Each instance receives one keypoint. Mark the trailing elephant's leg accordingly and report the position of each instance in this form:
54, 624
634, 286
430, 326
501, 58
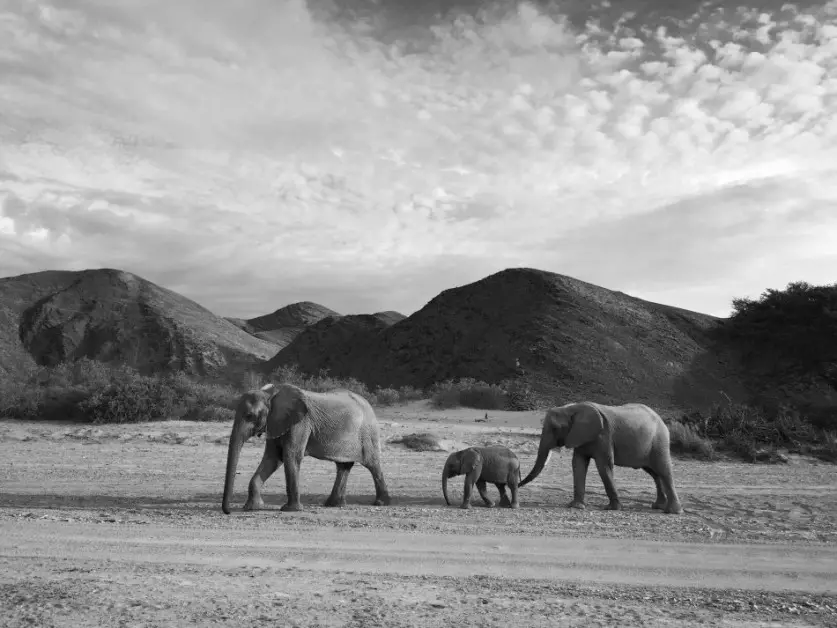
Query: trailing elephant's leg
605, 468
504, 498
660, 502
580, 465
382, 497
271, 459
481, 487
338, 491
293, 459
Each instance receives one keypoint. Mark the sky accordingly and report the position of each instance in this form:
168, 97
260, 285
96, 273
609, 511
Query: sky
253, 154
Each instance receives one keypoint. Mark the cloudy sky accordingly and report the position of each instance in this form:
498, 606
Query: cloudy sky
368, 158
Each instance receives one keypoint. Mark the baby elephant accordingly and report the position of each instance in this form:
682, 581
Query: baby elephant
497, 465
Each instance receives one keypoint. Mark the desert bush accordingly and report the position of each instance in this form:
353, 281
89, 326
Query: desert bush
137, 401
686, 441
209, 414
469, 393
424, 441
323, 382
90, 391
754, 432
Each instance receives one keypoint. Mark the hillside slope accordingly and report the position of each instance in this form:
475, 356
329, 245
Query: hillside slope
571, 339
286, 323
110, 315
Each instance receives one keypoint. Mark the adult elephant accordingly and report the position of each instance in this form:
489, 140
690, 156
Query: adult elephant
630, 435
338, 425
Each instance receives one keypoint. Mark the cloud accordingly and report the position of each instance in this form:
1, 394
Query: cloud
369, 155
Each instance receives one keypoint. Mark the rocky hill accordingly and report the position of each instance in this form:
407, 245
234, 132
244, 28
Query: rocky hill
334, 343
110, 315
286, 323
569, 338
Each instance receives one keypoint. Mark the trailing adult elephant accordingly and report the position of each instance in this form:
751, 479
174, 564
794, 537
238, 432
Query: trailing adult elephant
630, 435
338, 425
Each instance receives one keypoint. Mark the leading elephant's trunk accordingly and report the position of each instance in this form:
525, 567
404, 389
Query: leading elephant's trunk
544, 453
241, 431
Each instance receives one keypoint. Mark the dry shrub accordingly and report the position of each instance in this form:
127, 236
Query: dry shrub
686, 441
424, 441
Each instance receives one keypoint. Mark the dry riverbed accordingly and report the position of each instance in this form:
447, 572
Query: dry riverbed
121, 525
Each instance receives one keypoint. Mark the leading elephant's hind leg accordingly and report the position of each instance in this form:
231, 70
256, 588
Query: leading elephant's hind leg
481, 487
338, 491
271, 459
382, 497
673, 506
660, 502
504, 498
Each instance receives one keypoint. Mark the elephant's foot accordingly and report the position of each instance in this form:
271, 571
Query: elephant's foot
674, 509
514, 505
504, 502
488, 503
254, 504
613, 505
291, 507
382, 500
658, 505
465, 506
335, 502
577, 504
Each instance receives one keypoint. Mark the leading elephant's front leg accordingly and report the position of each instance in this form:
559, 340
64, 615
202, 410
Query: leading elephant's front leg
271, 459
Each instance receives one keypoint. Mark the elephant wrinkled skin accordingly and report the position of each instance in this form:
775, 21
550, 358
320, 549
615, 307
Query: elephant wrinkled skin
338, 425
498, 465
630, 435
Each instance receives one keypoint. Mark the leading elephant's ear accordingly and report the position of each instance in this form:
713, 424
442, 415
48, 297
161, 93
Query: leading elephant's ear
287, 408
586, 425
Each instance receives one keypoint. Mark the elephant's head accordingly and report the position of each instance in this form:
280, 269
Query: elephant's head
453, 467
250, 420
567, 426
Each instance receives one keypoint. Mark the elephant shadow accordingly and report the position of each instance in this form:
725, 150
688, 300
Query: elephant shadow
24, 501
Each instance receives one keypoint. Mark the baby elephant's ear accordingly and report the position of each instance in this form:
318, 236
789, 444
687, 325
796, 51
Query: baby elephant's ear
287, 408
586, 426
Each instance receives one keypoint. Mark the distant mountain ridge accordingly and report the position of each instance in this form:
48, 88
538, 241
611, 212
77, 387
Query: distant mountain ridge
286, 323
114, 316
567, 338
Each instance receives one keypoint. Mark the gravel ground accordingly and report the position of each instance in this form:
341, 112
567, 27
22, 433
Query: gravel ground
121, 525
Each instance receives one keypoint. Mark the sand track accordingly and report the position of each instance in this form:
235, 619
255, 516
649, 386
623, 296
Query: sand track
122, 526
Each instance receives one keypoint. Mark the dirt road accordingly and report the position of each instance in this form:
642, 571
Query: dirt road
121, 526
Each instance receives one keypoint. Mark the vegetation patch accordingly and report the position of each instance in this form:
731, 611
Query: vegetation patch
471, 393
424, 441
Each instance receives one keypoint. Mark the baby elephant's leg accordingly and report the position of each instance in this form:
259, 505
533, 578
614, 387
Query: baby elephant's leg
504, 498
484, 494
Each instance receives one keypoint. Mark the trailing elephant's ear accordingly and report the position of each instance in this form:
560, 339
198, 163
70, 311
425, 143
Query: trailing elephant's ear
287, 408
586, 425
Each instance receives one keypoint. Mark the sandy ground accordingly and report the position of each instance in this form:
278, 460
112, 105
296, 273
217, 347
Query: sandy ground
121, 526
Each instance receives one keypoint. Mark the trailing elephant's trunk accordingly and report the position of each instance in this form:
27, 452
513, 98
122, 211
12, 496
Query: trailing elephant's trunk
445, 485
544, 453
241, 431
